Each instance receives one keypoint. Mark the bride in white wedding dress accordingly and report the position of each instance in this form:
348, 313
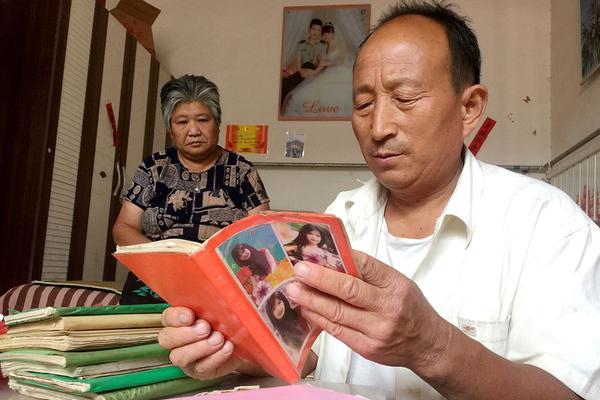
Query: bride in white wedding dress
328, 91
335, 52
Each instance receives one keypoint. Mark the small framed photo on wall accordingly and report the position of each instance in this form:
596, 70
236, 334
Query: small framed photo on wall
319, 46
590, 39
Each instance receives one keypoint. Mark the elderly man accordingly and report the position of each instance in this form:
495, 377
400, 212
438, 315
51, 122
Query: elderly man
477, 283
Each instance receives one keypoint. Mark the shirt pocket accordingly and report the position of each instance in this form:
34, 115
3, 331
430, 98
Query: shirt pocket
492, 334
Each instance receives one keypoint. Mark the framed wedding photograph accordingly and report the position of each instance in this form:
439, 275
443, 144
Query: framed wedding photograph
318, 48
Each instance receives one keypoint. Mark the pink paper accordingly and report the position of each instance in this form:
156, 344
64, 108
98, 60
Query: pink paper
292, 392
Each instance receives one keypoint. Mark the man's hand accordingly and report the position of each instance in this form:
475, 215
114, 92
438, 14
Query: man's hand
384, 317
200, 352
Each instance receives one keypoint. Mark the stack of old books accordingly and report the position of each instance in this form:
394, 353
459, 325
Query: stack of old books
106, 352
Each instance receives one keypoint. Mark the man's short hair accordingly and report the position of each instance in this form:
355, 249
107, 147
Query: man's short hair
465, 56
315, 21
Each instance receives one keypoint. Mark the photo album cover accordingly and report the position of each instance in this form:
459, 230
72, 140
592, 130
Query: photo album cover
237, 279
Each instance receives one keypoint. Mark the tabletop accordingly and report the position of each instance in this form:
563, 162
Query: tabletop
368, 392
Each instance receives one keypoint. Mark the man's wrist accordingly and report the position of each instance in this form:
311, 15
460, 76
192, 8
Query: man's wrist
458, 366
442, 356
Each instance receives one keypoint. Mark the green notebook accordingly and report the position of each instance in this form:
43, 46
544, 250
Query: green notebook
39, 314
145, 392
87, 371
80, 340
101, 384
79, 358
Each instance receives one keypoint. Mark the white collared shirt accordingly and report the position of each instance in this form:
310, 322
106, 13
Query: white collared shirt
514, 263
405, 256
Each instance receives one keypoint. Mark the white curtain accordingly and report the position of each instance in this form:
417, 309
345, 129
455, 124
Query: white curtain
296, 29
350, 24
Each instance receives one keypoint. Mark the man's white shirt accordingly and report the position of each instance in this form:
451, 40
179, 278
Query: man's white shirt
513, 262
405, 255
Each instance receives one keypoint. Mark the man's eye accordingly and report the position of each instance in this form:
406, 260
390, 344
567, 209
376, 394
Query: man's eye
407, 101
361, 106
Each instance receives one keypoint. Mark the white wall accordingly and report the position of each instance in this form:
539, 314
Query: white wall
309, 189
575, 112
575, 105
237, 44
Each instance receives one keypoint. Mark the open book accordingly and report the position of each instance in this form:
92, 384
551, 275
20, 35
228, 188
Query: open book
237, 280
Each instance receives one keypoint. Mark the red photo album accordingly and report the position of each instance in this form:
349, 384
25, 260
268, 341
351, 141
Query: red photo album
236, 281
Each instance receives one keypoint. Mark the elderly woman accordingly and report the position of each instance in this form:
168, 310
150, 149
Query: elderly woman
191, 190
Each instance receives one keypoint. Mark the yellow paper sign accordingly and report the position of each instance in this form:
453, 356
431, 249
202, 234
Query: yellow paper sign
247, 138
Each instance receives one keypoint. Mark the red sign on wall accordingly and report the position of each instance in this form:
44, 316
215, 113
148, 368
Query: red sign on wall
481, 136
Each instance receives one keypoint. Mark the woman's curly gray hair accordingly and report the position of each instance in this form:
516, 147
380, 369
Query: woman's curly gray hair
189, 88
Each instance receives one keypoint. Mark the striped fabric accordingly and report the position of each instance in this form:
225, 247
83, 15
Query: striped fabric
32, 295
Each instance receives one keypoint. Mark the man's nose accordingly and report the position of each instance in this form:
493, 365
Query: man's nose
383, 124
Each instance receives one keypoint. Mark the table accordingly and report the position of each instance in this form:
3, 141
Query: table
368, 392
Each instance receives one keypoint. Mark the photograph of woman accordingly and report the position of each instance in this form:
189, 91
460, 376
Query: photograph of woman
260, 261
314, 244
287, 321
335, 53
257, 259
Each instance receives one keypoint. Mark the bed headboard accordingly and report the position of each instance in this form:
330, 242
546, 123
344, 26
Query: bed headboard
58, 294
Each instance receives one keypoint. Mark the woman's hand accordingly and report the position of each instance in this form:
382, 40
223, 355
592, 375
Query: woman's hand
198, 350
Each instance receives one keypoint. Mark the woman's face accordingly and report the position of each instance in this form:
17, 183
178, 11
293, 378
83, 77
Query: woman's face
278, 308
244, 254
327, 37
194, 131
313, 237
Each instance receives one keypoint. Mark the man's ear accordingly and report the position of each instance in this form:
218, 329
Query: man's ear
474, 100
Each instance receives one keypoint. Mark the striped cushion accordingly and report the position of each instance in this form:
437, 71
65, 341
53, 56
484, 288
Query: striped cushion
34, 295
